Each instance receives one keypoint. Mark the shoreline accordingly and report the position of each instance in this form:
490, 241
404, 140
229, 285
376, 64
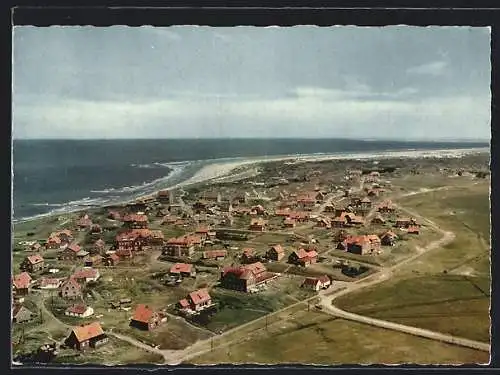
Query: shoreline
217, 171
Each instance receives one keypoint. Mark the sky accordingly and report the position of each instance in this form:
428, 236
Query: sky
397, 82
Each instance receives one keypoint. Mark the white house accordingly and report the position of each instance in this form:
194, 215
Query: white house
79, 311
317, 283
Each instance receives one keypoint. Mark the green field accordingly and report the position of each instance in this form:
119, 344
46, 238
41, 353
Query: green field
317, 338
447, 289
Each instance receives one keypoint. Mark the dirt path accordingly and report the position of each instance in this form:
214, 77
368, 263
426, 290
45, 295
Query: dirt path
326, 301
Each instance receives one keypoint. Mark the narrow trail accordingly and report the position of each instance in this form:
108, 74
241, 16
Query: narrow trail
326, 301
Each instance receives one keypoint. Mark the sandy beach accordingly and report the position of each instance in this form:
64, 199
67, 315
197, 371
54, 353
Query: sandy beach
239, 169
217, 171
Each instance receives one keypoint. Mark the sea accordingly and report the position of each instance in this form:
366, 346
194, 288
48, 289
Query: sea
58, 176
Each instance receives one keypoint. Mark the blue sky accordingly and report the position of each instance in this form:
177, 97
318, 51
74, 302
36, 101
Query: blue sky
181, 82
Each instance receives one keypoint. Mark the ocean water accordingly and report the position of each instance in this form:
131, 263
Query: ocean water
55, 176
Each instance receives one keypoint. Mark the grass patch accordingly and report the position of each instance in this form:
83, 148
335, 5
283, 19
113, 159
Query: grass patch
335, 341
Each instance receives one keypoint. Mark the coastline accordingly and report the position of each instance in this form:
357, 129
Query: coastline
216, 172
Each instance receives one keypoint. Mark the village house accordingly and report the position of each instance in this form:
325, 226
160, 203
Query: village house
299, 217
195, 301
240, 198
35, 247
225, 206
248, 256
53, 242
145, 318
21, 283
275, 253
413, 229
306, 201
245, 277
70, 289
202, 232
59, 239
95, 229
200, 206
365, 203
388, 238
361, 245
181, 246
323, 223
386, 207
378, 219
79, 310
86, 275
257, 210
165, 196
330, 208
373, 192
182, 270
94, 260
214, 254
135, 221
48, 283
241, 211
289, 223
405, 222
317, 283
303, 257
111, 260
70, 253
32, 263
212, 196
282, 212
86, 336
84, 222
99, 246
227, 221
114, 215
20, 314
258, 224
169, 219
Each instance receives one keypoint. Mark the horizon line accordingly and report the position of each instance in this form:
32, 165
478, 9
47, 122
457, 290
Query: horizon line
475, 140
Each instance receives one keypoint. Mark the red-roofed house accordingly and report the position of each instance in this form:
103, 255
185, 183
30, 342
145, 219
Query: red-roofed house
86, 274
183, 269
79, 310
135, 221
195, 301
388, 238
70, 252
405, 222
70, 289
214, 254
413, 229
50, 283
289, 223
84, 222
323, 223
317, 283
165, 196
32, 263
245, 277
181, 246
360, 244
275, 253
145, 318
248, 256
303, 257
21, 283
111, 260
258, 224
86, 336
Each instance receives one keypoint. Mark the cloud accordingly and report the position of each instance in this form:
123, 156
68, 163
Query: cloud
435, 68
312, 112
